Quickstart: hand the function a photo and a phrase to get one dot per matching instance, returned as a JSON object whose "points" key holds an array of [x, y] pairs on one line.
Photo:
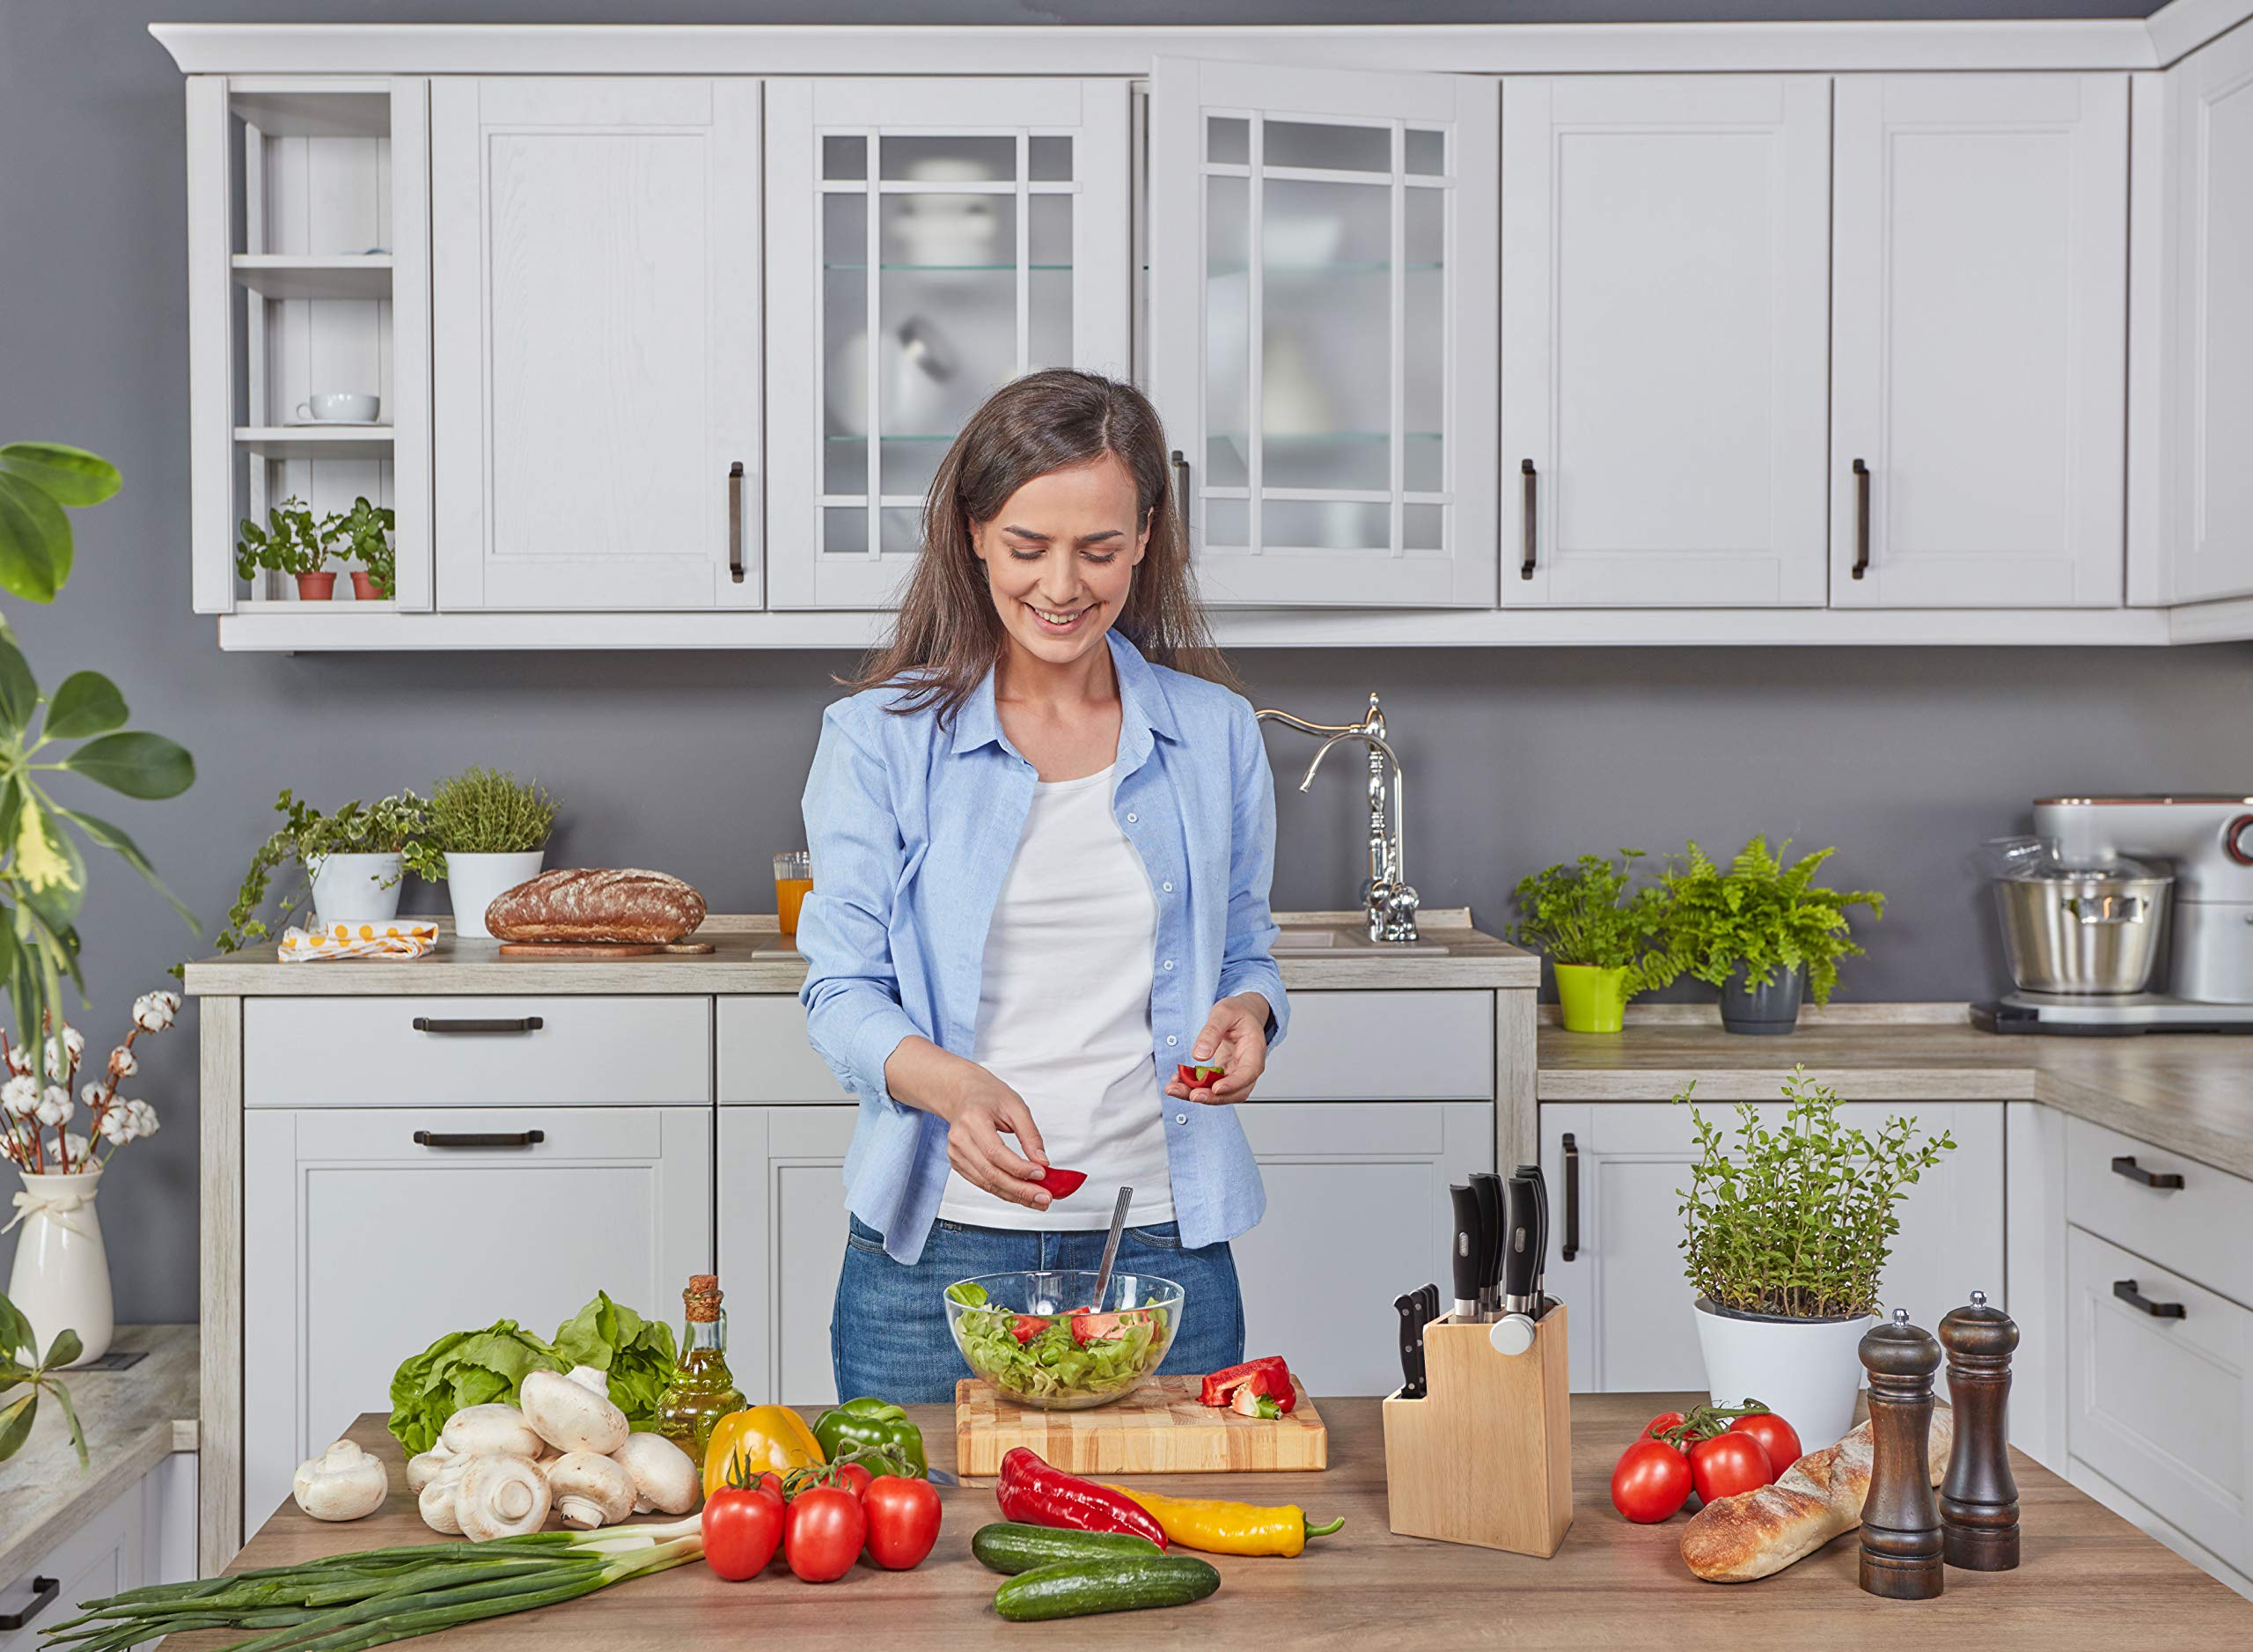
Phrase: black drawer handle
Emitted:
{"points": [[2125, 1165], [1571, 1247], [480, 1138], [44, 1590], [439, 1024], [2126, 1291]]}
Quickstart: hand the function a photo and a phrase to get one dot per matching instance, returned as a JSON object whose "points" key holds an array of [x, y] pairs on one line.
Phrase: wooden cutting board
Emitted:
{"points": [[1160, 1428]]}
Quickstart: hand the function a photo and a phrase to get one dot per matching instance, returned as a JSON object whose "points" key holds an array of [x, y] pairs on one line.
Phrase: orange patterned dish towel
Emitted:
{"points": [[396, 938]]}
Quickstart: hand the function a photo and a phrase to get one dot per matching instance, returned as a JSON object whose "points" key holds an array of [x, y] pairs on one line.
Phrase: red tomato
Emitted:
{"points": [[1729, 1464], [823, 1531], [742, 1526], [854, 1477], [1028, 1327], [903, 1521], [1660, 1423], [1090, 1327], [1776, 1438], [1062, 1184], [1650, 1482]]}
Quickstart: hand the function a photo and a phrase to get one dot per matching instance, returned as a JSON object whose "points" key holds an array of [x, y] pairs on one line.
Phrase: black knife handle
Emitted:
{"points": [[1412, 1339], [1463, 1252], [1519, 1259], [1571, 1247], [1492, 1216], [1540, 1244]]}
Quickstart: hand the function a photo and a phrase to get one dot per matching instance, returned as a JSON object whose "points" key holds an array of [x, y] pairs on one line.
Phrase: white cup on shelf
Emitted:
{"points": [[339, 406]]}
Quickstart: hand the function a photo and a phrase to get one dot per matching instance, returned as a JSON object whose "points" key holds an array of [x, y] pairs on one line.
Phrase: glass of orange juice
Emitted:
{"points": [[793, 882]]}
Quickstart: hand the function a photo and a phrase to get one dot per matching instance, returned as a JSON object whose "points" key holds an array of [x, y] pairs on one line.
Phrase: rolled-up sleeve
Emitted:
{"points": [[851, 995], [1247, 961]]}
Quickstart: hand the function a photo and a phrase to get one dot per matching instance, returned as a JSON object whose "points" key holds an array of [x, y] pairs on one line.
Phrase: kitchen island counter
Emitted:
{"points": [[2089, 1579]]}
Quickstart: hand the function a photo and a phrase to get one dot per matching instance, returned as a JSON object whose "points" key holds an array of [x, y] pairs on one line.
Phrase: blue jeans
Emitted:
{"points": [[888, 1332]]}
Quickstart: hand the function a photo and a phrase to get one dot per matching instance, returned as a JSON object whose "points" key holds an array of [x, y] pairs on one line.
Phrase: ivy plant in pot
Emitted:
{"points": [[292, 543], [1785, 1235], [1601, 935], [1762, 931], [354, 857], [487, 832]]}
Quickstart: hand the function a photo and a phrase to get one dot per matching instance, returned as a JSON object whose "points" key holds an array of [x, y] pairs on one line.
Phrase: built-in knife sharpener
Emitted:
{"points": [[1485, 1458]]}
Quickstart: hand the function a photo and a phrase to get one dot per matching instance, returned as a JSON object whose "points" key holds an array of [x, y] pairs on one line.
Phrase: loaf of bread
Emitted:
{"points": [[1757, 1533], [586, 904]]}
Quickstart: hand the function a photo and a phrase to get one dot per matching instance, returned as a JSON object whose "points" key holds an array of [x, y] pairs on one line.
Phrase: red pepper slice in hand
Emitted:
{"points": [[1199, 1076], [1062, 1184]]}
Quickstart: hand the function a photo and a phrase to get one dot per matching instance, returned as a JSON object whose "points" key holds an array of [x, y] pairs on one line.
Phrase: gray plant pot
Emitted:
{"points": [[1768, 1012]]}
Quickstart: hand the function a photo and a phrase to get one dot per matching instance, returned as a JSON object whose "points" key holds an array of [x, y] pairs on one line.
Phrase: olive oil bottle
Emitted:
{"points": [[702, 1389]]}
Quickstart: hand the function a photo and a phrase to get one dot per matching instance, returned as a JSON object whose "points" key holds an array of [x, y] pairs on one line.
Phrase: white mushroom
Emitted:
{"points": [[489, 1431], [590, 1490], [423, 1468], [342, 1483], [435, 1503], [500, 1497], [664, 1476], [573, 1413]]}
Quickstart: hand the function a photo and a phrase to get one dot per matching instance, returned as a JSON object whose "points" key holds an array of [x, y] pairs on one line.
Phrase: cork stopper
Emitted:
{"points": [[703, 1298]]}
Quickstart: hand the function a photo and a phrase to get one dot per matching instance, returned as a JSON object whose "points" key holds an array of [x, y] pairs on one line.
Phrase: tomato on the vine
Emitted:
{"points": [[1777, 1438], [1651, 1481], [854, 1477], [1729, 1464], [1660, 1423], [742, 1526], [823, 1531], [903, 1517]]}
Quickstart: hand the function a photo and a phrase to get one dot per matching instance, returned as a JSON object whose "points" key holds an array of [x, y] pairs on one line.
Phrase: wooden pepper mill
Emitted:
{"points": [[1901, 1534], [1978, 1500]]}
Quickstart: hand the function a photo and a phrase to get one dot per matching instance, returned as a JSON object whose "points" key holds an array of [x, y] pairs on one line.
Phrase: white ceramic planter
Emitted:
{"points": [[357, 888], [1807, 1371], [474, 880], [61, 1279]]}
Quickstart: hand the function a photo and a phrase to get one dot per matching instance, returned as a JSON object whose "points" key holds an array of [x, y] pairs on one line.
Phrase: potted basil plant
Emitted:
{"points": [[362, 534], [354, 858], [1786, 1235], [487, 832], [1762, 931], [1602, 937], [292, 543]]}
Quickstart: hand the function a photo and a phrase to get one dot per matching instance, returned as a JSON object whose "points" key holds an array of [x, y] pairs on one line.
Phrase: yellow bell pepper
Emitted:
{"points": [[1225, 1528], [762, 1437]]}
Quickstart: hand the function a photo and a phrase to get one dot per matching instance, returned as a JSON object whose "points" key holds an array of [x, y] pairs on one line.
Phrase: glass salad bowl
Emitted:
{"points": [[1041, 1340]]}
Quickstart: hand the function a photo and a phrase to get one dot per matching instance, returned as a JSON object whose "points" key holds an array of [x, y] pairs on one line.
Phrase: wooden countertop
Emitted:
{"points": [[2187, 1092], [2089, 1579], [133, 1419]]}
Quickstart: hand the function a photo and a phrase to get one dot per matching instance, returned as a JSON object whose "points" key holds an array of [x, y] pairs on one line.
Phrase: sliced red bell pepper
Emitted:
{"points": [[1062, 1184], [1267, 1377], [1199, 1076], [1028, 1327]]}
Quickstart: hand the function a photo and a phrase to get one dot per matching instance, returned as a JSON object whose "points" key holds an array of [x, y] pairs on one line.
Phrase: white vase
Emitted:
{"points": [[61, 1280], [357, 888], [474, 880], [1807, 1371]]}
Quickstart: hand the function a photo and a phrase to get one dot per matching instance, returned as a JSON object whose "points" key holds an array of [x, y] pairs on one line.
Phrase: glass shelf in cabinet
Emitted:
{"points": [[921, 268]]}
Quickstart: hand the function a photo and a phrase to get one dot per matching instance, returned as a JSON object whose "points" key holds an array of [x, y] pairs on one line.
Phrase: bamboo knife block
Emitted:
{"points": [[1486, 1457]]}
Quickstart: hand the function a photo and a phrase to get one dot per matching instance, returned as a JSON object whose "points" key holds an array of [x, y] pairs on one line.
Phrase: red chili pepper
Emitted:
{"points": [[1033, 1491], [1265, 1377]]}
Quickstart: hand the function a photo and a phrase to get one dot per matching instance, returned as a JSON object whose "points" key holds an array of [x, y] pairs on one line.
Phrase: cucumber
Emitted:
{"points": [[1013, 1546], [1079, 1588]]}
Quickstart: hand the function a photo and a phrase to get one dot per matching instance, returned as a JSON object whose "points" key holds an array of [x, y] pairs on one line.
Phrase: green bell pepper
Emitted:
{"points": [[868, 1421]]}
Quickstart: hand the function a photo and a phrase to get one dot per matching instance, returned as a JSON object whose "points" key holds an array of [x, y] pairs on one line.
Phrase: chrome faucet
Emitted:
{"points": [[1391, 900]]}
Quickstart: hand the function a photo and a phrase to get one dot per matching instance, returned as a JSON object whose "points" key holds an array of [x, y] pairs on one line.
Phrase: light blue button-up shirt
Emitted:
{"points": [[913, 827]]}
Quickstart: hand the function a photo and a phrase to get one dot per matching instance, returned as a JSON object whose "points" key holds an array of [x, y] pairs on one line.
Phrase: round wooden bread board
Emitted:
{"points": [[565, 951]]}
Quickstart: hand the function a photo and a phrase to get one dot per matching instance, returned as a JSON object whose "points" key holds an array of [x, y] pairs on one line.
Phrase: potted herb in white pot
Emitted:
{"points": [[487, 833], [1763, 931], [354, 857], [1787, 1236]]}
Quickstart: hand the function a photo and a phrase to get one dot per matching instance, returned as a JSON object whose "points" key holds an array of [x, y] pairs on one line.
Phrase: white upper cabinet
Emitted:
{"points": [[596, 296], [974, 231], [1978, 340], [1665, 266], [1323, 336]]}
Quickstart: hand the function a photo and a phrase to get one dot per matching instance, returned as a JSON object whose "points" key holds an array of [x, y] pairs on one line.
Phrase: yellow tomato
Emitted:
{"points": [[757, 1440]]}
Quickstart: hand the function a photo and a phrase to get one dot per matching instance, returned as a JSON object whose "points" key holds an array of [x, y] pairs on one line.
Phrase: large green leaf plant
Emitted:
{"points": [[1763, 913]]}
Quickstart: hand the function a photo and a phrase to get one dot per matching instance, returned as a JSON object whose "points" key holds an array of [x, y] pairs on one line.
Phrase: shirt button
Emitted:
{"points": [[1169, 963], [1132, 817], [1181, 1117], [1171, 1039], [1167, 886]]}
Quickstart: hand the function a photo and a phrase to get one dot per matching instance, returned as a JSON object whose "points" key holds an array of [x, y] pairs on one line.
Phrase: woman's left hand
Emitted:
{"points": [[1235, 1039]]}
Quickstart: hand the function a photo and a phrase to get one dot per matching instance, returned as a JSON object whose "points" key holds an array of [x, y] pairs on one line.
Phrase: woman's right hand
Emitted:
{"points": [[979, 1114]]}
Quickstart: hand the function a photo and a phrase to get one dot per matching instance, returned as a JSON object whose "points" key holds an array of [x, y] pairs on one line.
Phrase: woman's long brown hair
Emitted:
{"points": [[948, 635]]}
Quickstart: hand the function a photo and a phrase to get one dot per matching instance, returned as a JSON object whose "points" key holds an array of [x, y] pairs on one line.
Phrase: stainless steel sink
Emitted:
{"points": [[1337, 943]]}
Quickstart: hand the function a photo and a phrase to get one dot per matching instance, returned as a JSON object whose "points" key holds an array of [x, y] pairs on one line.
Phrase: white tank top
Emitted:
{"points": [[1064, 1012]]}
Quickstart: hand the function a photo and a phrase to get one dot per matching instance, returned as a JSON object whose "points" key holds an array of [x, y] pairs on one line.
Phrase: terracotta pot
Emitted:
{"points": [[316, 587], [365, 588]]}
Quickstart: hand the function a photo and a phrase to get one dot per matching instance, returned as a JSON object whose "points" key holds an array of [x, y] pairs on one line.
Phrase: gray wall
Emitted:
{"points": [[693, 762]]}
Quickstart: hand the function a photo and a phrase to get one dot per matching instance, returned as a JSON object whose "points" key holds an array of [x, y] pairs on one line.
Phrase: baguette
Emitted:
{"points": [[1757, 1533], [583, 904]]}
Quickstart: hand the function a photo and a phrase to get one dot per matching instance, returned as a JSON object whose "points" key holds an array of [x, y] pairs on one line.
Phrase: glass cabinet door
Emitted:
{"points": [[1323, 341], [930, 240]]}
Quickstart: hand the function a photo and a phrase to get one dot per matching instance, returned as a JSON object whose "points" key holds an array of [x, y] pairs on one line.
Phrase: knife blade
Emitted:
{"points": [[1411, 1307], [1467, 1252], [1488, 1187], [1519, 1260], [1540, 1237]]}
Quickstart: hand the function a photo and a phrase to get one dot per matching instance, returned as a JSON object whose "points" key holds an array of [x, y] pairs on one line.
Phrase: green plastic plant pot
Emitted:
{"points": [[1593, 999]]}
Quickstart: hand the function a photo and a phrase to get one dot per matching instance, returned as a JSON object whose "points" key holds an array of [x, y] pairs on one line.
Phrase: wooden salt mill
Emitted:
{"points": [[1901, 1535], [1978, 1500]]}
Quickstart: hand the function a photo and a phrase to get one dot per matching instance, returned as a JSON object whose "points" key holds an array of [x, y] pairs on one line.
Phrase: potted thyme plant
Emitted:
{"points": [[1601, 937], [1762, 931], [292, 543], [1785, 1238], [487, 832], [354, 858]]}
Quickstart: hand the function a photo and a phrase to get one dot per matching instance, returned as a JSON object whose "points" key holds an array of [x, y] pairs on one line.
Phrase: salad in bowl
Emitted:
{"points": [[1042, 1340]]}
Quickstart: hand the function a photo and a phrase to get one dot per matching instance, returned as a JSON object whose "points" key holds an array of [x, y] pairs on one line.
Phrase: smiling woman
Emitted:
{"points": [[1042, 836]]}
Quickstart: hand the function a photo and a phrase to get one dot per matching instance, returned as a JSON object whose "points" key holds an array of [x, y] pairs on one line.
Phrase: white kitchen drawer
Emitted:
{"points": [[2162, 1407], [764, 1056], [413, 1052], [1384, 1047], [2203, 1229]]}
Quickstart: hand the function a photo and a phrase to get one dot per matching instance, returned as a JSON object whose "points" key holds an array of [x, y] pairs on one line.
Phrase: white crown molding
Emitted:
{"points": [[2181, 26], [285, 48]]}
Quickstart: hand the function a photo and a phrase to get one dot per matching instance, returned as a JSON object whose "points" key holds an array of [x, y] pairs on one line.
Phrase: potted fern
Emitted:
{"points": [[354, 858], [1786, 1235], [487, 833], [1762, 931], [1602, 937]]}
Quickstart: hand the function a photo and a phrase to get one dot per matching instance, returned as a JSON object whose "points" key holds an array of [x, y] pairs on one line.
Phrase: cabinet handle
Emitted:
{"points": [[2126, 1291], [1571, 1247], [1180, 462], [1861, 518], [44, 1590], [439, 1024], [2125, 1165], [1525, 533], [735, 522], [480, 1138]]}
